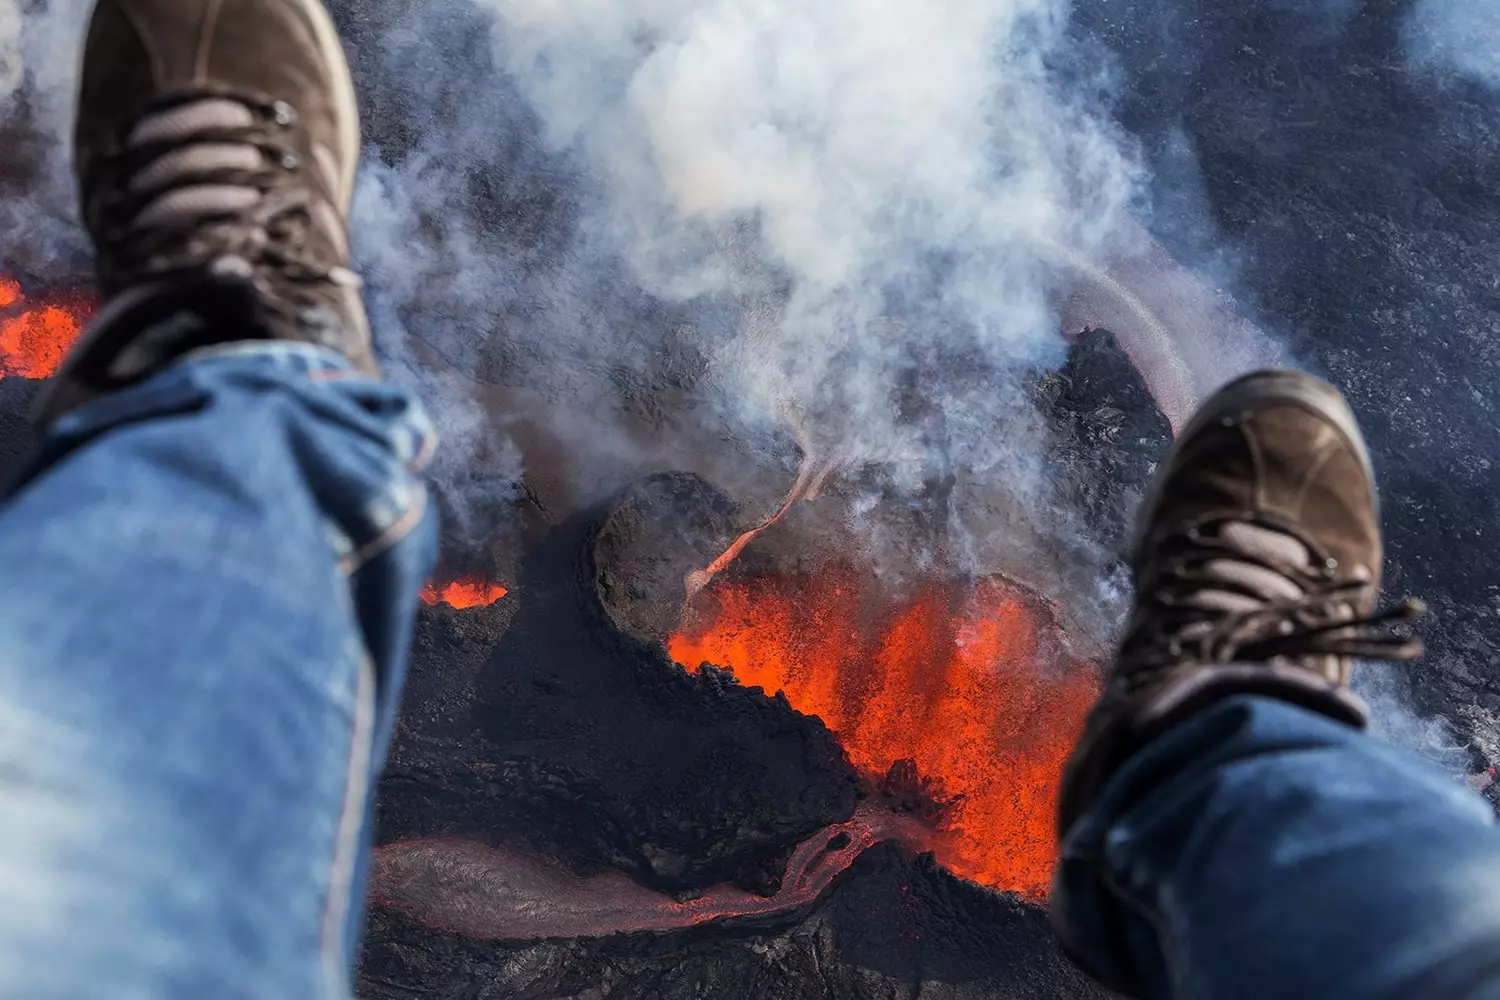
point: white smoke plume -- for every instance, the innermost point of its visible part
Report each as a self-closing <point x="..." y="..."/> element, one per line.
<point x="833" y="212"/>
<point x="869" y="186"/>
<point x="1458" y="36"/>
<point x="39" y="45"/>
<point x="1393" y="719"/>
<point x="826" y="210"/>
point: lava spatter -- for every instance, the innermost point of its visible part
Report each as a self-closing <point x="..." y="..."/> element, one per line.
<point x="465" y="592"/>
<point x="35" y="335"/>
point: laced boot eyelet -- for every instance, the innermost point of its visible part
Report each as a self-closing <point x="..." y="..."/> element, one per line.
<point x="283" y="114"/>
<point x="290" y="161"/>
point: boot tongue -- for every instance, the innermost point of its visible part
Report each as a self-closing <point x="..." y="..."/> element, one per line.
<point x="1251" y="584"/>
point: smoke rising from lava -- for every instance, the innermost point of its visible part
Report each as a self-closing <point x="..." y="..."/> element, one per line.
<point x="847" y="221"/>
<point x="867" y="196"/>
<point x="38" y="73"/>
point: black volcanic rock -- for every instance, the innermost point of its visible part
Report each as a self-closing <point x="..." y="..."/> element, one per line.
<point x="651" y="532"/>
<point x="591" y="744"/>
<point x="893" y="927"/>
<point x="1108" y="434"/>
<point x="1358" y="193"/>
<point x="17" y="396"/>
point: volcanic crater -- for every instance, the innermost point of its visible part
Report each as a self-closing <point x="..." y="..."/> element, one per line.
<point x="803" y="758"/>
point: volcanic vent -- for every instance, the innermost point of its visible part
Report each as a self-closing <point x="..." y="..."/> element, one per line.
<point x="967" y="687"/>
<point x="808" y="777"/>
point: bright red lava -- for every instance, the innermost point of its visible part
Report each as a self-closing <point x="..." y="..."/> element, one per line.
<point x="465" y="592"/>
<point x="36" y="336"/>
<point x="972" y="682"/>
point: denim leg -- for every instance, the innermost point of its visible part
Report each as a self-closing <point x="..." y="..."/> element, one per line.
<point x="1263" y="851"/>
<point x="207" y="585"/>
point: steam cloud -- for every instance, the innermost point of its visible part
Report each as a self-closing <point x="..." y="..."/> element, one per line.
<point x="864" y="181"/>
<point x="1459" y="35"/>
<point x="823" y="203"/>
<point x="846" y="223"/>
<point x="839" y="214"/>
<point x="38" y="74"/>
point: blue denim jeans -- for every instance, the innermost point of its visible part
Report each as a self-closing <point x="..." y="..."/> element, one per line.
<point x="1262" y="851"/>
<point x="207" y="585"/>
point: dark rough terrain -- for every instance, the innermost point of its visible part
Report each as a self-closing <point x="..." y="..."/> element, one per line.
<point x="587" y="741"/>
<point x="1355" y="200"/>
<point x="894" y="928"/>
<point x="1108" y="434"/>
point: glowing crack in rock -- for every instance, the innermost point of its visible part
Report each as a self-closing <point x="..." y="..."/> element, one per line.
<point x="809" y="483"/>
<point x="465" y="592"/>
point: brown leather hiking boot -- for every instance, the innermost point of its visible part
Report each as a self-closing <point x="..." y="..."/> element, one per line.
<point x="215" y="148"/>
<point x="1256" y="571"/>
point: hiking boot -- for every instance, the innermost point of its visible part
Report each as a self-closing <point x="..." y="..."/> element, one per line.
<point x="1256" y="570"/>
<point x="215" y="151"/>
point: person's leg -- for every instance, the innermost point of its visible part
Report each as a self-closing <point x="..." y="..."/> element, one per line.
<point x="1263" y="850"/>
<point x="208" y="585"/>
<point x="210" y="570"/>
<point x="1227" y="830"/>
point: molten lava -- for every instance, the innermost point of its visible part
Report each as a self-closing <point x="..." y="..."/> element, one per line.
<point x="465" y="592"/>
<point x="970" y="682"/>
<point x="35" y="336"/>
<point x="809" y="483"/>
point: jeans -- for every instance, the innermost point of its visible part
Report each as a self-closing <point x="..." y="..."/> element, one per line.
<point x="207" y="584"/>
<point x="1260" y="850"/>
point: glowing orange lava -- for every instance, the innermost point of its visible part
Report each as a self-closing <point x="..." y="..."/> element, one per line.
<point x="466" y="592"/>
<point x="35" y="336"/>
<point x="969" y="681"/>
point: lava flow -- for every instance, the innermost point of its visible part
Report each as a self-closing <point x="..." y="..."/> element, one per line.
<point x="507" y="892"/>
<point x="971" y="682"/>
<point x="36" y="336"/>
<point x="465" y="592"/>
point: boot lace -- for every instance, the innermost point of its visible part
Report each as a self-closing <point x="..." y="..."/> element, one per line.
<point x="1235" y="588"/>
<point x="202" y="187"/>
